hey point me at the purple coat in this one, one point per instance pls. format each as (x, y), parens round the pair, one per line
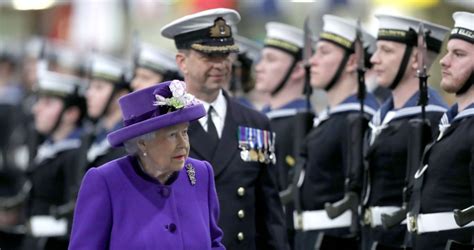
(120, 207)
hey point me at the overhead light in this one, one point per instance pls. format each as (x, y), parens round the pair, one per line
(32, 4)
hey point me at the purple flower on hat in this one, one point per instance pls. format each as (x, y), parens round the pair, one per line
(179, 97)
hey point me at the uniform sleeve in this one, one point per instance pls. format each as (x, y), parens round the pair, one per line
(216, 232)
(93, 216)
(270, 222)
(269, 216)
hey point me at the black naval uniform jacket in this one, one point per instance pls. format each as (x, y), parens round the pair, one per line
(54, 178)
(327, 151)
(448, 179)
(251, 214)
(386, 156)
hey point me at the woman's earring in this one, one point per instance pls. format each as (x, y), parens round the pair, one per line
(144, 154)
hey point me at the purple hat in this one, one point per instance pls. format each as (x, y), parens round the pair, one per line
(155, 107)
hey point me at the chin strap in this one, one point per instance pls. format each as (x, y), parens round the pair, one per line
(402, 68)
(339, 71)
(467, 85)
(285, 79)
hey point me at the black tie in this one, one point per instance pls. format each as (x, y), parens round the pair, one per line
(211, 130)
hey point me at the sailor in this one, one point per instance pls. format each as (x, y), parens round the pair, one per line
(281, 75)
(108, 81)
(445, 179)
(395, 63)
(333, 69)
(58, 114)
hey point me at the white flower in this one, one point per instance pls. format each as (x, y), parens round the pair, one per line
(189, 99)
(178, 88)
(160, 101)
(180, 98)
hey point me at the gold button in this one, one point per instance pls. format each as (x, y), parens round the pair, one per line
(240, 236)
(241, 213)
(241, 191)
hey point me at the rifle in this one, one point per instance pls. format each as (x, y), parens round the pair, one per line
(465, 216)
(421, 134)
(307, 53)
(357, 126)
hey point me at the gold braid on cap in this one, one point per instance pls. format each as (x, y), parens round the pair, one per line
(52, 93)
(282, 44)
(392, 33)
(215, 49)
(105, 76)
(344, 42)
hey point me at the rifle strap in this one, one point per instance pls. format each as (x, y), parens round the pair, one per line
(415, 199)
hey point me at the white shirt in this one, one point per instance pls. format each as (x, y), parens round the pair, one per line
(218, 115)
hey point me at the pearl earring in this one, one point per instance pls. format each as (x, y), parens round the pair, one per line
(144, 154)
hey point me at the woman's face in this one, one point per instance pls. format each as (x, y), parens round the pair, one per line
(170, 148)
(271, 69)
(97, 95)
(46, 112)
(145, 78)
(386, 60)
(324, 63)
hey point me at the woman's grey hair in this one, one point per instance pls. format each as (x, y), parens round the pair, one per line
(131, 146)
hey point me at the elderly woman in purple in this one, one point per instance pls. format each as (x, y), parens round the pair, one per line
(156, 197)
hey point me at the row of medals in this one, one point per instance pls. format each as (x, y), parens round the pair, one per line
(260, 155)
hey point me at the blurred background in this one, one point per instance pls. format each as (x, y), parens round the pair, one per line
(108, 25)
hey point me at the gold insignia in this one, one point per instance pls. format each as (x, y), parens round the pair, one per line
(191, 174)
(220, 29)
(253, 155)
(215, 49)
(290, 160)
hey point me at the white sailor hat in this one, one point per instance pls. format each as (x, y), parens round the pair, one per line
(34, 47)
(248, 47)
(109, 69)
(155, 59)
(342, 32)
(405, 29)
(463, 26)
(64, 55)
(207, 31)
(61, 85)
(284, 37)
